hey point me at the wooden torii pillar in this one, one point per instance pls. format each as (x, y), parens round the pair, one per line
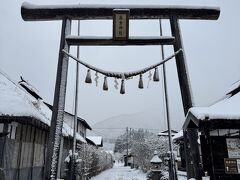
(66, 13)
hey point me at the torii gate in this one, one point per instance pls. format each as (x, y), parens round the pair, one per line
(67, 13)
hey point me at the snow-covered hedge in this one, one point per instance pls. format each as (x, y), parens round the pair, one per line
(91, 161)
(94, 160)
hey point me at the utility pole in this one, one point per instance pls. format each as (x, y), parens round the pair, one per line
(73, 174)
(172, 167)
(130, 137)
(127, 146)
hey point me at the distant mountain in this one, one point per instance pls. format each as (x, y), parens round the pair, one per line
(112, 127)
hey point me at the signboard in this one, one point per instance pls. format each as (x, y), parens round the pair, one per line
(232, 166)
(233, 147)
(78, 146)
(206, 178)
(121, 24)
(238, 165)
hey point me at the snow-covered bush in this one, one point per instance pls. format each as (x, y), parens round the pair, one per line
(92, 160)
(142, 145)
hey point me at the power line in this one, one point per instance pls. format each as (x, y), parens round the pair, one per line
(131, 128)
(99, 133)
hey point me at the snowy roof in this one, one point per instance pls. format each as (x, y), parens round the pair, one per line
(156, 159)
(98, 140)
(29, 88)
(17, 102)
(14, 101)
(233, 87)
(84, 123)
(165, 133)
(178, 135)
(225, 109)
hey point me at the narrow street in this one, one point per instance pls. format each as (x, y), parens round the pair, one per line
(120, 172)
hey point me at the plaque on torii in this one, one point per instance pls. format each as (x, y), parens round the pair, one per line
(121, 24)
(121, 14)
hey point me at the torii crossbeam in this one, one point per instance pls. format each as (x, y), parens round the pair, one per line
(66, 13)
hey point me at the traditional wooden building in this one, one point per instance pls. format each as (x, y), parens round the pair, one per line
(24, 130)
(96, 140)
(82, 125)
(219, 128)
(165, 133)
(180, 156)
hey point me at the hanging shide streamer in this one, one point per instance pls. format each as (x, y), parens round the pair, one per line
(96, 78)
(122, 90)
(149, 78)
(116, 83)
(88, 77)
(156, 75)
(140, 83)
(105, 84)
(123, 76)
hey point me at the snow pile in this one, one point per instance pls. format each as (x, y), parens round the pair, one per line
(227, 108)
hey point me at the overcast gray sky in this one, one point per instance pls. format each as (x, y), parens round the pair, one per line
(31, 49)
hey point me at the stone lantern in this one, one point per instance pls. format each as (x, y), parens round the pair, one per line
(156, 163)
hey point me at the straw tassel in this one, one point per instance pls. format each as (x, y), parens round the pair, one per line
(88, 77)
(156, 75)
(105, 84)
(140, 84)
(122, 90)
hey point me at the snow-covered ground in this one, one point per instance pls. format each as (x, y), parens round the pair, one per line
(120, 172)
(182, 177)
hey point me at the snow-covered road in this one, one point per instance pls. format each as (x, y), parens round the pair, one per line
(119, 172)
